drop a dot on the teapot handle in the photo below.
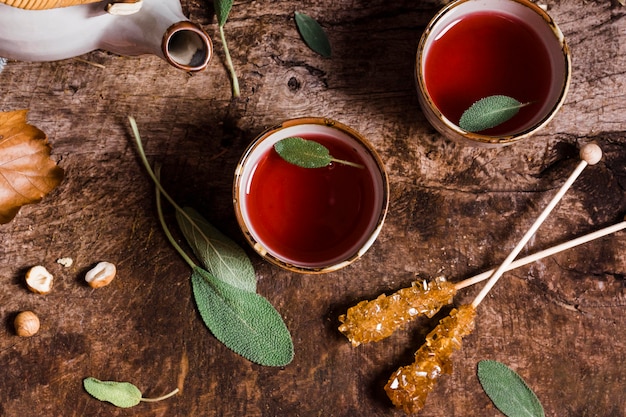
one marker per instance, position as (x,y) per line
(124,7)
(45,4)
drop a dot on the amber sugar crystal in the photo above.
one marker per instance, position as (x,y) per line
(372,321)
(409,386)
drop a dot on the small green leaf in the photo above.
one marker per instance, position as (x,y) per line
(120,394)
(489,112)
(243,321)
(508,391)
(313,34)
(220,255)
(307,153)
(222,10)
(302,152)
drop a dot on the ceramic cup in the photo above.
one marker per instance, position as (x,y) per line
(473,49)
(311,220)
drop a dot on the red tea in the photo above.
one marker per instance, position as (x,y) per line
(484,54)
(311,215)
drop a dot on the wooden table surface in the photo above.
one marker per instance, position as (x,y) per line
(454,210)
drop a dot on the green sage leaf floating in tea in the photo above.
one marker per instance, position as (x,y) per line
(302,152)
(313,34)
(307,153)
(120,394)
(489,112)
(219,254)
(508,391)
(222,10)
(244,321)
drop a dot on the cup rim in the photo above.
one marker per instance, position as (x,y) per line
(372,234)
(455,132)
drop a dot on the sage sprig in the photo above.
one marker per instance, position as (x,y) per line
(489,112)
(313,34)
(241,319)
(307,153)
(222,10)
(120,394)
(508,391)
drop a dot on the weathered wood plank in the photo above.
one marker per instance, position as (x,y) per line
(454,211)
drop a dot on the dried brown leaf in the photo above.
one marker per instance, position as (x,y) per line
(27,173)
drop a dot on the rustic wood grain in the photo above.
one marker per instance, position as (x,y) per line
(454,211)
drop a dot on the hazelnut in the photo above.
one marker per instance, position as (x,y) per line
(39,280)
(26,324)
(101,275)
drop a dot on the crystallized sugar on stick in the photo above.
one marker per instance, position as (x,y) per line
(409,386)
(375,320)
(371,321)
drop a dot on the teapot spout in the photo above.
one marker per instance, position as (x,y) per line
(187,46)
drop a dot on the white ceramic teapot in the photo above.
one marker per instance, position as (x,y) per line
(49,30)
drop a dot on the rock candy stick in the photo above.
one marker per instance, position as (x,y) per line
(409,386)
(372,321)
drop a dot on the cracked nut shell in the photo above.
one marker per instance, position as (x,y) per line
(101,275)
(39,280)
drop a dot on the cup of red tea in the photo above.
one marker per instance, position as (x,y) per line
(311,220)
(475,49)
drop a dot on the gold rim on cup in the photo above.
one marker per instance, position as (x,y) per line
(451,130)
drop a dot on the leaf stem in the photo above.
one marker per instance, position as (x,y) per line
(229,63)
(161,190)
(349,163)
(161,398)
(166,230)
(146,164)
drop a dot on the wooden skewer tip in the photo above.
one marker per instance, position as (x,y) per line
(591,153)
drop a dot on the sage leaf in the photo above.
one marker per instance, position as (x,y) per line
(302,152)
(489,112)
(222,10)
(243,321)
(219,254)
(120,394)
(313,34)
(307,153)
(508,391)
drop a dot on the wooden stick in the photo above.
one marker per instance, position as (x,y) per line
(544,254)
(590,154)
